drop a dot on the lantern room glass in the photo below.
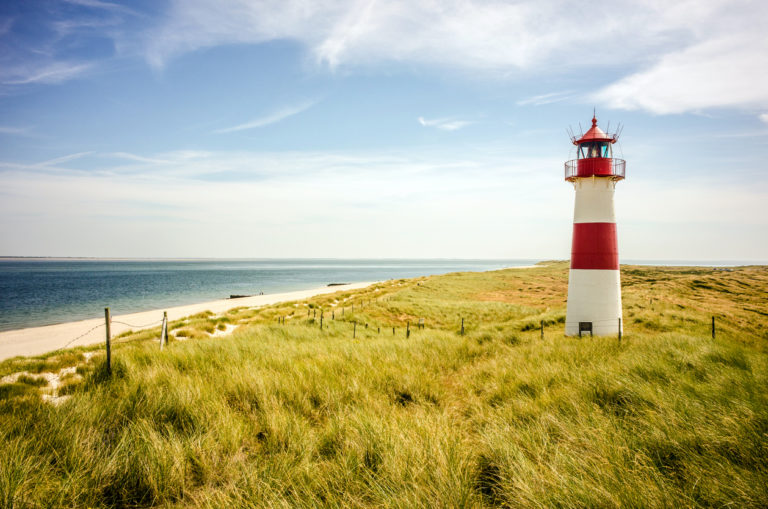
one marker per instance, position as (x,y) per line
(593,149)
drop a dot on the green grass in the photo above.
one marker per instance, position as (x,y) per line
(52,361)
(292,415)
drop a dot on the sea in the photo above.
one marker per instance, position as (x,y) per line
(35,292)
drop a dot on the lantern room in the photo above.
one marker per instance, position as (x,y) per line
(594,156)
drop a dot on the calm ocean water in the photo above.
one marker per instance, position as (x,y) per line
(38,292)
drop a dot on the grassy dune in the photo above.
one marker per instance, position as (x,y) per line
(292,415)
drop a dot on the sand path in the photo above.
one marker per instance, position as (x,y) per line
(39,340)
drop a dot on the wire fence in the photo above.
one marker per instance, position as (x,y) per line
(609,326)
(133,326)
(595,321)
(156,322)
(80,336)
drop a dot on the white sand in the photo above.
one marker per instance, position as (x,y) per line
(39,340)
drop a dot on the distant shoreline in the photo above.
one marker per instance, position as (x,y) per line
(39,340)
(47,291)
(662,263)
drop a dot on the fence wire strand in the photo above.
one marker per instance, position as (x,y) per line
(156,322)
(80,336)
(102,325)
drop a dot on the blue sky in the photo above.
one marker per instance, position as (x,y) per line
(377,129)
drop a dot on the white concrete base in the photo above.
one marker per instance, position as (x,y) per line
(593,296)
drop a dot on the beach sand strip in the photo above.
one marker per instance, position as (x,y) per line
(39,340)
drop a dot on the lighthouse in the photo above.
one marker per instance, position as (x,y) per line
(594,286)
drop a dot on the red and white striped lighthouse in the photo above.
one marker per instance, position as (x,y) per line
(594,286)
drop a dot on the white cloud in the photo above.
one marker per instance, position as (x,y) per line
(137,158)
(445,124)
(688,55)
(55,72)
(270,118)
(19,131)
(61,45)
(763,117)
(63,159)
(552,97)
(695,54)
(727,72)
(97,4)
(234,196)
(471,34)
(167,199)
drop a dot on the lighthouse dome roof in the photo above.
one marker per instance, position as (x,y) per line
(595,134)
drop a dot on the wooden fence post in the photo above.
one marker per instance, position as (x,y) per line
(542,329)
(407,329)
(462,326)
(713,327)
(354,329)
(164,330)
(108,321)
(321,319)
(619,330)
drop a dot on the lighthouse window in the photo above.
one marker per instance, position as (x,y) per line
(594,149)
(588,150)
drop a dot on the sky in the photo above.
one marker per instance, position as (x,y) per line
(377,129)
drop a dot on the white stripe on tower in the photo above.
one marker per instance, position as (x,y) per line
(594,286)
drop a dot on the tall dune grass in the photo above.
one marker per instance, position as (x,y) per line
(292,415)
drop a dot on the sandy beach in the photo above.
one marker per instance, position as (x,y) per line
(39,340)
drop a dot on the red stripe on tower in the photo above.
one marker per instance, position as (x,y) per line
(594,246)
